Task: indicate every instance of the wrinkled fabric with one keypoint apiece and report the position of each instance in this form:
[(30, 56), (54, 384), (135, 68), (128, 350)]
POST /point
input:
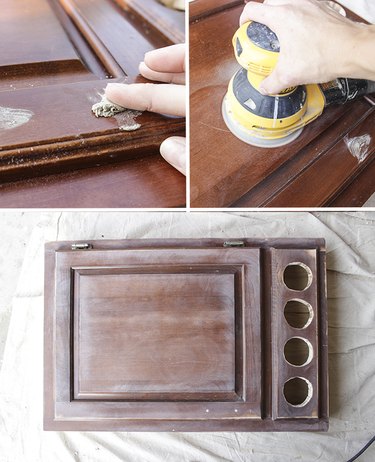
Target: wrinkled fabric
[(350, 241)]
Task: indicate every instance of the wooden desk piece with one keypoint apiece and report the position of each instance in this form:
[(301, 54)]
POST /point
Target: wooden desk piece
[(186, 335)]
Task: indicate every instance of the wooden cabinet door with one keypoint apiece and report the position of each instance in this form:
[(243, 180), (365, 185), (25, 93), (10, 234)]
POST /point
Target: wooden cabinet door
[(318, 169), (57, 57), (181, 335)]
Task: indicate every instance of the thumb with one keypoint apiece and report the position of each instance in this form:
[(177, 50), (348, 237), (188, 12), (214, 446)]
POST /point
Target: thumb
[(273, 84), (173, 150)]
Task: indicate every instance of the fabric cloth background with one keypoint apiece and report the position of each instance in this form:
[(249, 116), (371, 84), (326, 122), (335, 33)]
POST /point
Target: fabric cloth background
[(350, 239)]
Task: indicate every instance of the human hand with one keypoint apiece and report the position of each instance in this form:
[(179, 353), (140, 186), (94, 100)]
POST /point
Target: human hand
[(317, 44), (163, 65)]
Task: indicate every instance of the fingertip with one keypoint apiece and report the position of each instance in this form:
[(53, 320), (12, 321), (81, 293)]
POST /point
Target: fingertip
[(173, 150), (112, 90), (143, 68)]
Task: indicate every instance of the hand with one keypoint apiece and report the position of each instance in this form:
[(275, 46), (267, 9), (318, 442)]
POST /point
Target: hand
[(163, 65), (317, 44)]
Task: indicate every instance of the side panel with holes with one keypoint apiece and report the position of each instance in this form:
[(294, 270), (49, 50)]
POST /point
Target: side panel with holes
[(295, 322)]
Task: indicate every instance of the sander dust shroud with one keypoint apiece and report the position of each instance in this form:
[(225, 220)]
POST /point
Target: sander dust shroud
[(273, 121)]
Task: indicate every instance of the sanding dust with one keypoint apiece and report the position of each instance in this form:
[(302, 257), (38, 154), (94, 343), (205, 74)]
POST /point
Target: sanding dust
[(125, 117), (13, 118), (126, 120), (359, 146)]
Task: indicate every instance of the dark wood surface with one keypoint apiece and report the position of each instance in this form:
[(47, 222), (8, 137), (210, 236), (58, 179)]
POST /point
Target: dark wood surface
[(145, 182), (161, 335), (56, 64), (312, 171)]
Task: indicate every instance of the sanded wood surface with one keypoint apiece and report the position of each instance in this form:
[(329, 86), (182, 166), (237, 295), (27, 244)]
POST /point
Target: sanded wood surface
[(310, 172), (55, 66), (185, 335)]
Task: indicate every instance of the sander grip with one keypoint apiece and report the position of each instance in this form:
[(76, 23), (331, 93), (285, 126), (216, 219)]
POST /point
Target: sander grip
[(341, 90)]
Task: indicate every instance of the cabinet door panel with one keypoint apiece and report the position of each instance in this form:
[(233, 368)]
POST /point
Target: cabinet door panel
[(59, 55), (179, 334)]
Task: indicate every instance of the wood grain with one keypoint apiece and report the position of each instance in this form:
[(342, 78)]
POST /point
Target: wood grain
[(137, 183), (56, 66), (157, 335), (310, 172)]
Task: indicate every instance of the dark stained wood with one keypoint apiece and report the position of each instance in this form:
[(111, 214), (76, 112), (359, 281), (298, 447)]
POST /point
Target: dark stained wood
[(161, 335), (310, 172), (56, 64), (169, 22), (134, 183)]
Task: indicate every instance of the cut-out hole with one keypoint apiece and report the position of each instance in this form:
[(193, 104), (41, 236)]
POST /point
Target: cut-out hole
[(298, 313), (297, 276), (298, 351), (298, 391)]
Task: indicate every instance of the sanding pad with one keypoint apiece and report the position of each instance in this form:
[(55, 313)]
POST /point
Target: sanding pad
[(249, 137)]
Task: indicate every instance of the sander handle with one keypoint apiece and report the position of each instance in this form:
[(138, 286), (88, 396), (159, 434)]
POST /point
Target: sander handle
[(341, 90)]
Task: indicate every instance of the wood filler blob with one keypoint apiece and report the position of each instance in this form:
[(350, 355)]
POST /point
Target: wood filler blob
[(359, 146), (124, 117), (13, 118)]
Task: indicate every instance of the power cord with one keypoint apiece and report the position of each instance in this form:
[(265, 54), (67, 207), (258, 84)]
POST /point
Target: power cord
[(362, 450)]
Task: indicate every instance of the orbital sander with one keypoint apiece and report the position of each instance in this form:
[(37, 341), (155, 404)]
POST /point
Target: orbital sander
[(273, 121)]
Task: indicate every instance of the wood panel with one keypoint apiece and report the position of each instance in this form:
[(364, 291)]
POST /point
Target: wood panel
[(136, 183), (310, 172), (157, 335), (59, 57)]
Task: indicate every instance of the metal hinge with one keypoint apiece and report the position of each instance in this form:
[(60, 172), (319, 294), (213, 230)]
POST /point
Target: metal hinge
[(83, 246), (234, 244)]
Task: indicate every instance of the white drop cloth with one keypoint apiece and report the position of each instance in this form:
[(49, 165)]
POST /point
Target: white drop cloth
[(351, 288)]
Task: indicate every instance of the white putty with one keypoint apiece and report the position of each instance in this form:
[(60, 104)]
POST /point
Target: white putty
[(105, 108), (359, 146), (13, 118), (125, 117)]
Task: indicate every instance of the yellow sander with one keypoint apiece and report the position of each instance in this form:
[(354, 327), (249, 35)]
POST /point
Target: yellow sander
[(273, 121)]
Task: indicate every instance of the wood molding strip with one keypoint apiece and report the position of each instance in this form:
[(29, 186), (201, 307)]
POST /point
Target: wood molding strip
[(84, 50), (161, 22), (92, 39), (283, 179), (98, 150)]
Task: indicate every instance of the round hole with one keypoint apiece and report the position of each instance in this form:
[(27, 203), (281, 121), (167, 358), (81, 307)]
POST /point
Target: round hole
[(297, 276), (298, 351), (298, 391), (298, 313)]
